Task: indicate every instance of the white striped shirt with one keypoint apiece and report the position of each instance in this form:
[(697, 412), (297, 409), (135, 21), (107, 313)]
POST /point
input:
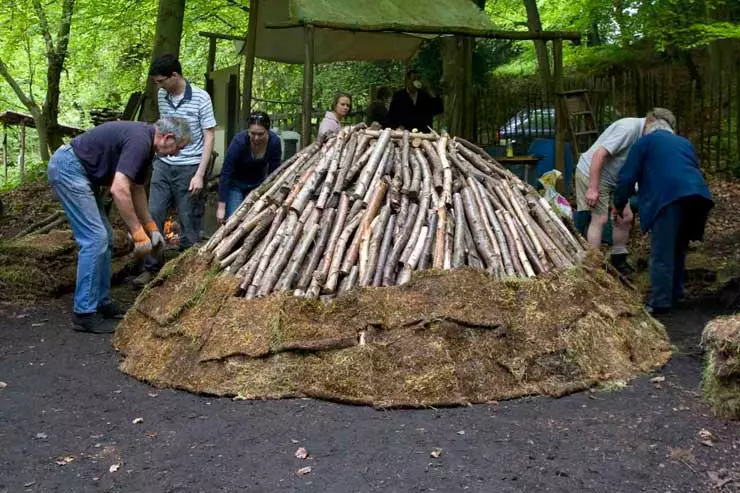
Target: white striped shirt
[(195, 107)]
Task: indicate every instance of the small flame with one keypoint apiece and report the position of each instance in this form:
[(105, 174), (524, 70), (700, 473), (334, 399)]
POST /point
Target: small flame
[(171, 231)]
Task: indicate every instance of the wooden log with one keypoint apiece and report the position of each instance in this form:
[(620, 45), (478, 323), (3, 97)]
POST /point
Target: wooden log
[(449, 240), (334, 269), (501, 247), (272, 251), (40, 224), (462, 165), (398, 134), (52, 225), (422, 214), (577, 247), (414, 188), (243, 229), (493, 239), (505, 219), (426, 256), (349, 281), (436, 164), (359, 162), (367, 217), (285, 172), (405, 164), (446, 193), (389, 269), (439, 241), (524, 220), (308, 190), (474, 259), (343, 210), (345, 162), (379, 172), (402, 213), (253, 239), (374, 243), (296, 189), (385, 248), (280, 261), (549, 224), (369, 169), (225, 263), (537, 266), (250, 268), (318, 250), (458, 209), (480, 237), (418, 250), (328, 186), (511, 245), (299, 256), (556, 256)]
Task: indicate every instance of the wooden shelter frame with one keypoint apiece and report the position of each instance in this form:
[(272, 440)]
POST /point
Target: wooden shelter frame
[(556, 37)]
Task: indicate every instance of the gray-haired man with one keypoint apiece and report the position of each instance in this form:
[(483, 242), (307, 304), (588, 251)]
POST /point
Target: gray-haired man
[(119, 155), (596, 178)]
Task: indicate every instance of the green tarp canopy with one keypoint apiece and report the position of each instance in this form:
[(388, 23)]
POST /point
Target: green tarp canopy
[(360, 29)]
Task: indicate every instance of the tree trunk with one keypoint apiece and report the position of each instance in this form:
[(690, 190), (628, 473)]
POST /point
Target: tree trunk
[(540, 45), (457, 76), (166, 40)]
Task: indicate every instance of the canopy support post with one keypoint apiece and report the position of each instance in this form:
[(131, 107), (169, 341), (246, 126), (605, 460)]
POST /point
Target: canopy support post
[(308, 67), (249, 55), (560, 123)]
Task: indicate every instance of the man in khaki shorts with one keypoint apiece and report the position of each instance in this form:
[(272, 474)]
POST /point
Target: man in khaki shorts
[(596, 178)]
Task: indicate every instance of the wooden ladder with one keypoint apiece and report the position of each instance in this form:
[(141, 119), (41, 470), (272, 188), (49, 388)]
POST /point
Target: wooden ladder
[(581, 122)]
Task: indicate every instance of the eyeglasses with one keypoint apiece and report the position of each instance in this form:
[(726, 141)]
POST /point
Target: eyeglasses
[(259, 118), (161, 81)]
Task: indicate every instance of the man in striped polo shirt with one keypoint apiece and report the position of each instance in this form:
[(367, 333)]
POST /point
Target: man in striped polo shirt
[(178, 180)]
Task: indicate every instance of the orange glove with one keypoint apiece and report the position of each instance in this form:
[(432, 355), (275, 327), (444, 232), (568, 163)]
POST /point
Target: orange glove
[(156, 237), (142, 243)]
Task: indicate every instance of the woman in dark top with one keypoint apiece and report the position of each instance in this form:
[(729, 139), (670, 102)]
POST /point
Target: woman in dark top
[(252, 155)]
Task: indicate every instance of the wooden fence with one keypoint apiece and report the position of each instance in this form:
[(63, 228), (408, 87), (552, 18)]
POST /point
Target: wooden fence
[(704, 95)]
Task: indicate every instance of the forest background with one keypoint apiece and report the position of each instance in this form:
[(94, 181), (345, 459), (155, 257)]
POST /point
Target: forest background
[(61, 58)]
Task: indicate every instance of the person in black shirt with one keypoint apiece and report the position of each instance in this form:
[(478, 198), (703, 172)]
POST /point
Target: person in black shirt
[(378, 110), (116, 154), (414, 107)]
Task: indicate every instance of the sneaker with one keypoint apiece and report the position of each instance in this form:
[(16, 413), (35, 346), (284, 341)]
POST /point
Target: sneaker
[(93, 323), (111, 310), (142, 279)]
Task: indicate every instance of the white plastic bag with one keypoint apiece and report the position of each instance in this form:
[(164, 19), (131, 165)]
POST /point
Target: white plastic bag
[(558, 203)]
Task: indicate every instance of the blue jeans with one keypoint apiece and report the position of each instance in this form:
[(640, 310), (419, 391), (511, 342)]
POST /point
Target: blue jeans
[(668, 247), (237, 192), (83, 206)]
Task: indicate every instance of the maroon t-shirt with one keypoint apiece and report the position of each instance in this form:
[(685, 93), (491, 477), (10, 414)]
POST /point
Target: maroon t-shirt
[(126, 147)]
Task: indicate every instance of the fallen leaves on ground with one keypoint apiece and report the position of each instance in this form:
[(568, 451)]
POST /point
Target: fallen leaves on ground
[(301, 453), (114, 467), (303, 471), (137, 421), (63, 461), (436, 452)]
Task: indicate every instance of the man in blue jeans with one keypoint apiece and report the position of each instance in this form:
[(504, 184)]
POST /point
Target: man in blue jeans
[(116, 154), (674, 205)]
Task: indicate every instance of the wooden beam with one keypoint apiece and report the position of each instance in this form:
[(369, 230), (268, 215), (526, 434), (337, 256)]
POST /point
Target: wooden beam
[(560, 123), (249, 54), (461, 31), (229, 37), (307, 86), (22, 155)]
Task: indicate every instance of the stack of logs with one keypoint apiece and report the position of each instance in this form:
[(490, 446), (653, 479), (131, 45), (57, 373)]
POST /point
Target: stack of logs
[(368, 207), (98, 116)]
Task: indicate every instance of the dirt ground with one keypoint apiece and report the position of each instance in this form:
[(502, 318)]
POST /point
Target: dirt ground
[(70, 421)]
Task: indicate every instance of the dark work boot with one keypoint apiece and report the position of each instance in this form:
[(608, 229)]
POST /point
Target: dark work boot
[(619, 261), (111, 310), (93, 323)]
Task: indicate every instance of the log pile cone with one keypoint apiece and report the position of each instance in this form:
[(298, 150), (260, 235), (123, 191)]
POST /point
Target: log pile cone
[(370, 207), (392, 269)]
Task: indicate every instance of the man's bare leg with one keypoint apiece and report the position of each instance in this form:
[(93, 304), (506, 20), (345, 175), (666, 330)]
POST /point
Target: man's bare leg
[(596, 230), (621, 232)]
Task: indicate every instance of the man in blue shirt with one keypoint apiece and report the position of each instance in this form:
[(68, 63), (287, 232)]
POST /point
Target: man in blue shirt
[(674, 203), (119, 155)]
